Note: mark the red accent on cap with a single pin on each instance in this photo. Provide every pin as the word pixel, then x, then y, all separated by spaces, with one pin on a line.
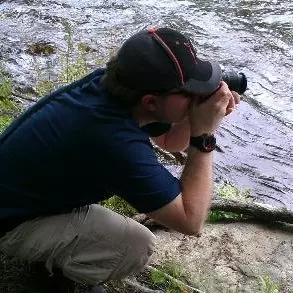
pixel 171 55
pixel 152 30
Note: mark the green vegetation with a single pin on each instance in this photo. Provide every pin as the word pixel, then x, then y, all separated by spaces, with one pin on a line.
pixel 5 120
pixel 229 191
pixel 5 84
pixel 8 108
pixel 73 63
pixel 119 205
pixel 217 216
pixel 267 285
pixel 160 278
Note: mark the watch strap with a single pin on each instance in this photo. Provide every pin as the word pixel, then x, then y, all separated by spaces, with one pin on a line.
pixel 205 143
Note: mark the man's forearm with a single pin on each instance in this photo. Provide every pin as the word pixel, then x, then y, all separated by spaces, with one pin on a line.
pixel 197 184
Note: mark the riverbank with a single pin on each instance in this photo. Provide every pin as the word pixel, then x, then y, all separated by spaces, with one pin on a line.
pixel 228 257
pixel 233 257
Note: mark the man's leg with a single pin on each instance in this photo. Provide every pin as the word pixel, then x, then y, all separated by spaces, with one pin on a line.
pixel 92 245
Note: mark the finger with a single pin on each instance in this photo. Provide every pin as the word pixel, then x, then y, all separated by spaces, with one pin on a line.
pixel 229 111
pixel 222 95
pixel 236 97
pixel 231 103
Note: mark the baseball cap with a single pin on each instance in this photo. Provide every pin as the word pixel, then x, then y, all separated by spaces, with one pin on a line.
pixel 164 59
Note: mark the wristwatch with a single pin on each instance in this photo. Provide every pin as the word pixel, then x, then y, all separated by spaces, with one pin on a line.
pixel 204 143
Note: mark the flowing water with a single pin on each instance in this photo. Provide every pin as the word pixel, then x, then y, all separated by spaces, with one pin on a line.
pixel 252 36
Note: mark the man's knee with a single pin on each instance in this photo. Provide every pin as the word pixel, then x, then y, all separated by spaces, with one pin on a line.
pixel 136 241
pixel 141 243
pixel 112 250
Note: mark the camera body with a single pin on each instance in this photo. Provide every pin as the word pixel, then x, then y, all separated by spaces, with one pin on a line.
pixel 236 81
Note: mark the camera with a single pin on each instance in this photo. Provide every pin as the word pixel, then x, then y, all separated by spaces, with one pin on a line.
pixel 236 81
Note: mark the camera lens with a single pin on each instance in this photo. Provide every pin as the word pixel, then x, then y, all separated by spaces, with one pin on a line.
pixel 236 81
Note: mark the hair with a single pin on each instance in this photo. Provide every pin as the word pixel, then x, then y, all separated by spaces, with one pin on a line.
pixel 117 90
pixel 121 93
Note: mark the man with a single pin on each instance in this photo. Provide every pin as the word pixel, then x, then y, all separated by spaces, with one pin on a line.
pixel 90 140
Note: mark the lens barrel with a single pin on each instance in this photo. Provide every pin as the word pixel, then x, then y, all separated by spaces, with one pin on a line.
pixel 236 81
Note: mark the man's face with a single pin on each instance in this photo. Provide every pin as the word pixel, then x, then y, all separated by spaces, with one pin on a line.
pixel 174 107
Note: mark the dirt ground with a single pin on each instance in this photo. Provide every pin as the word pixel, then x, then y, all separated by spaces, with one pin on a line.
pixel 232 257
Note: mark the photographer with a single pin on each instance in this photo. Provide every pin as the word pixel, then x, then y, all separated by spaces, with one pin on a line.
pixel 91 139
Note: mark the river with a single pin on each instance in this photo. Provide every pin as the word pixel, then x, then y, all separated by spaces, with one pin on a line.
pixel 251 36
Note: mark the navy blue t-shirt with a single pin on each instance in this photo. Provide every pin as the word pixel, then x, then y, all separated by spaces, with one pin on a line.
pixel 76 147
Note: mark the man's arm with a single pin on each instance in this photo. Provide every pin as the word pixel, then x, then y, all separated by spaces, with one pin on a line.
pixel 187 212
pixel 176 139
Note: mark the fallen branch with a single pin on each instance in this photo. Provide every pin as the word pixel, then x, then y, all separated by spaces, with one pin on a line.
pixel 254 210
pixel 251 210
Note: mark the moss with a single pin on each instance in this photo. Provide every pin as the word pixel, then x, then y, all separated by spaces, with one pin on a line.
pixel 119 205
pixel 159 278
pixel 41 49
pixel 216 216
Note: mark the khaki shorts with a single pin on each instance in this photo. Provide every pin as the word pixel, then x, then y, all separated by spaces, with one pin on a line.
pixel 92 245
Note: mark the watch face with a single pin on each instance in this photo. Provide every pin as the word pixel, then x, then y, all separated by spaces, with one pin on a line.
pixel 209 142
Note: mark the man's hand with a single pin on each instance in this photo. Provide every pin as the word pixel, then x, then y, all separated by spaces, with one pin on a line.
pixel 206 116
pixel 232 103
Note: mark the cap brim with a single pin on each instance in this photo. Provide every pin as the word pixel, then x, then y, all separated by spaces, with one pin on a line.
pixel 210 84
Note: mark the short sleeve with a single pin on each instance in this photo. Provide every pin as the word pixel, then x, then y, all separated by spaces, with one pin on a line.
pixel 132 171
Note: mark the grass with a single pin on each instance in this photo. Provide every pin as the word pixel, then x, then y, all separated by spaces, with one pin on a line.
pixel 267 285
pixel 160 277
pixel 8 108
pixel 5 84
pixel 5 120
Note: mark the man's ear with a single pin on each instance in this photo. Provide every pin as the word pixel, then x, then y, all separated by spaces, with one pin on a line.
pixel 150 102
